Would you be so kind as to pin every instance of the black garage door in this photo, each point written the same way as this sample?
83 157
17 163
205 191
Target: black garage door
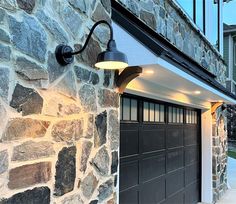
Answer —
159 153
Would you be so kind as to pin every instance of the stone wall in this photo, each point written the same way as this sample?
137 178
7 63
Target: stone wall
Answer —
59 127
167 19
220 147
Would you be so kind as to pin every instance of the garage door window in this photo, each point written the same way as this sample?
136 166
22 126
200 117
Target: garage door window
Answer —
191 117
153 112
175 115
129 109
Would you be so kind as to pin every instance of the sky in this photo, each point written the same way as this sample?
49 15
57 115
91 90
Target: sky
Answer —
229 13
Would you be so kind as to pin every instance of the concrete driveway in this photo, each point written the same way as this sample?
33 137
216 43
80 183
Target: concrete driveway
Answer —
230 195
232 173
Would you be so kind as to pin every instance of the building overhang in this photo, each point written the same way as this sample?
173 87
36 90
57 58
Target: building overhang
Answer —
168 74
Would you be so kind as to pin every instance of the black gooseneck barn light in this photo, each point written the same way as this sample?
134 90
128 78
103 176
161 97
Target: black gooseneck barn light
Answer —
109 59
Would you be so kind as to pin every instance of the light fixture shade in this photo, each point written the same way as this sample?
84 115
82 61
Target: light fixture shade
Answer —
111 58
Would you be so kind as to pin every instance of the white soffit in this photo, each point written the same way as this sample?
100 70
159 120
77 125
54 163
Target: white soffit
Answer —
162 80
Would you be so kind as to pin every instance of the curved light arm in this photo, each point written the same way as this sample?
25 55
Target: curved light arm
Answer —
89 36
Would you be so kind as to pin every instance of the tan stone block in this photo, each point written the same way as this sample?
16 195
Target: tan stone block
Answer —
20 128
28 175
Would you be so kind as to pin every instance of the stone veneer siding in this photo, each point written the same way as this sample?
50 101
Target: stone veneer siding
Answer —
59 126
220 147
167 19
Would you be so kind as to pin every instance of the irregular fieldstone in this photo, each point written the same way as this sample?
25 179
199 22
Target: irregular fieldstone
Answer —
31 150
20 128
107 5
34 40
67 130
74 199
87 97
5 53
52 26
103 34
70 18
93 202
105 190
2 15
84 75
90 126
147 5
39 195
30 70
4 83
100 14
114 129
86 150
3 161
111 201
107 98
26 100
55 70
4 36
114 163
107 78
162 13
101 127
89 56
28 175
68 109
65 171
149 19
88 185
3 114
115 181
101 161
8 4
133 6
26 5
79 4
67 85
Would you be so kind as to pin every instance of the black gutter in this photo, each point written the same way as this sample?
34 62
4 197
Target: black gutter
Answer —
162 47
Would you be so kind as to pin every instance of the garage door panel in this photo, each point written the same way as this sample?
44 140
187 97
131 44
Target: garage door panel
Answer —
175 159
153 140
153 167
192 193
129 197
174 136
191 173
190 135
129 174
153 191
129 140
174 182
177 198
191 154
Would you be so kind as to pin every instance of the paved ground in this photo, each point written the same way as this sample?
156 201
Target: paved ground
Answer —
230 196
232 173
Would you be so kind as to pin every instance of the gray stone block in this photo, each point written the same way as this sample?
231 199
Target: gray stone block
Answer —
53 27
34 40
65 171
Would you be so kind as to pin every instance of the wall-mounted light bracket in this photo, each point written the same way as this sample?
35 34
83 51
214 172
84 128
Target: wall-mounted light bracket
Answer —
62 55
126 76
